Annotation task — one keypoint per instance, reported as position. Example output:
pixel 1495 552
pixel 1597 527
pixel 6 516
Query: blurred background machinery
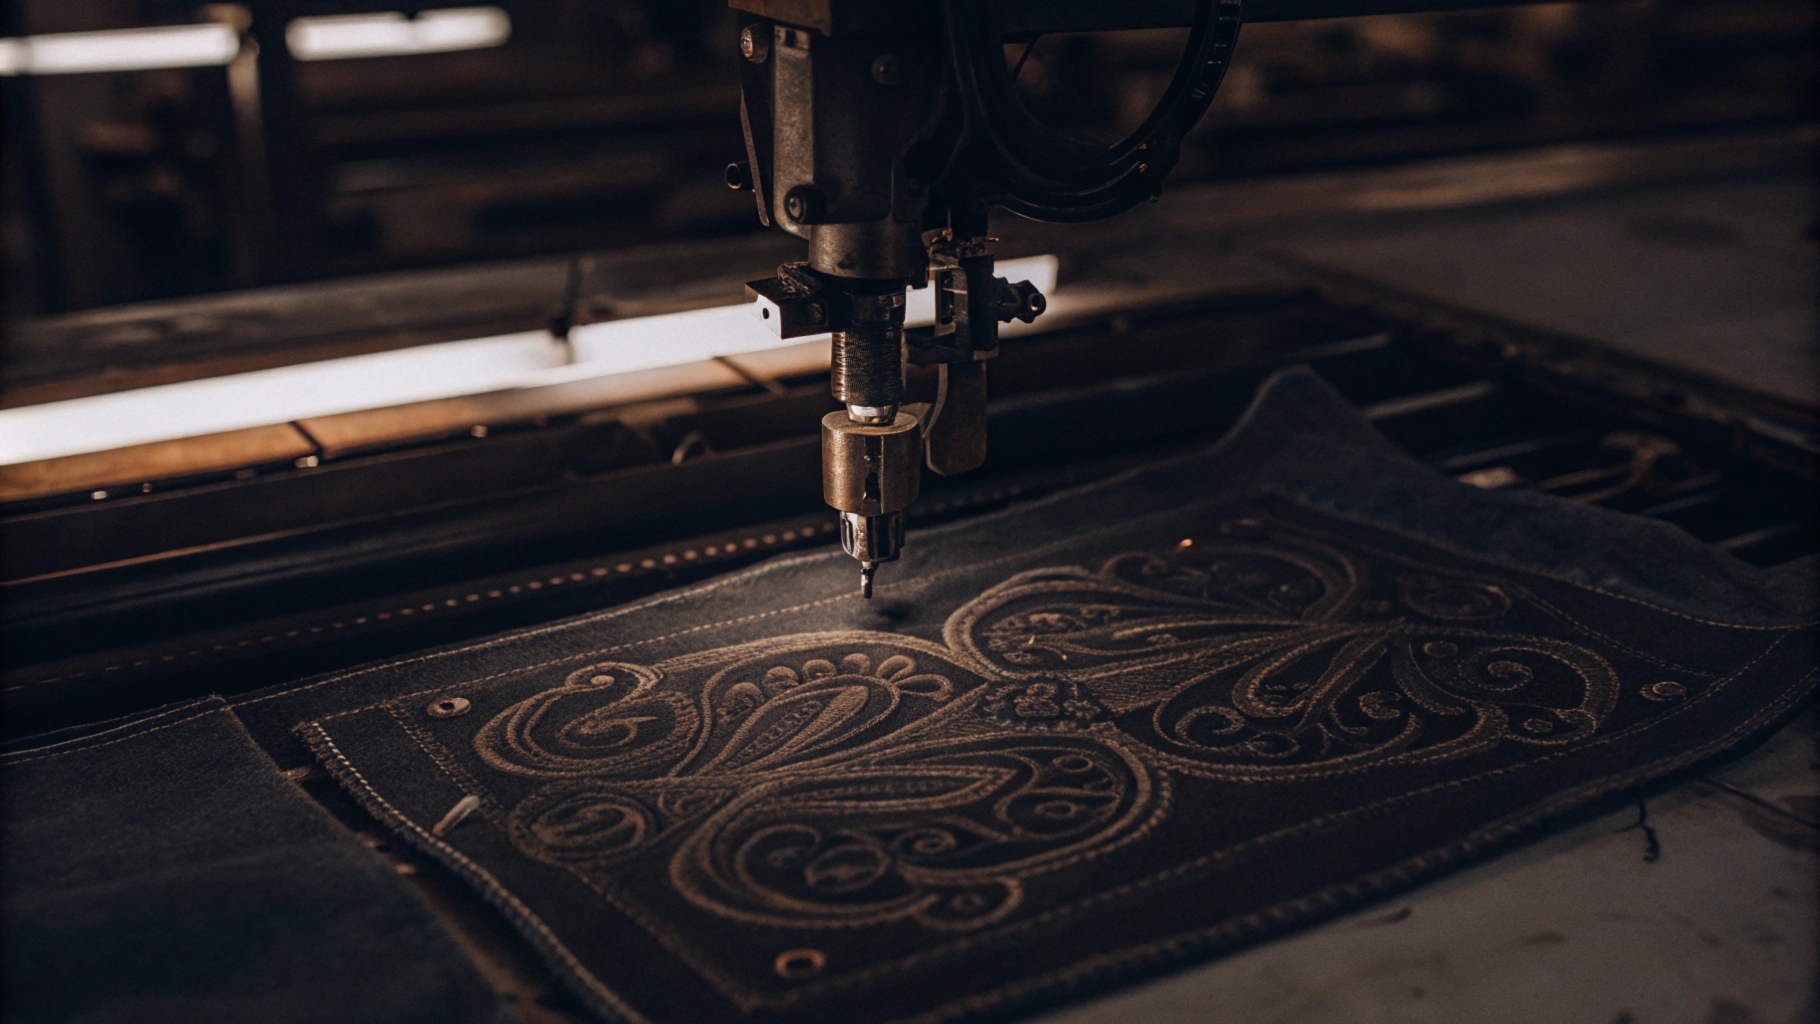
pixel 341 138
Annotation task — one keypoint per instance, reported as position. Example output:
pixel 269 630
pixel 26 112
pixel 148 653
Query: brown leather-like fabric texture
pixel 1070 743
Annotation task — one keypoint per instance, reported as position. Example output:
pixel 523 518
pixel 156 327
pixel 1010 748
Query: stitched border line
pixel 134 730
pixel 384 610
pixel 602 999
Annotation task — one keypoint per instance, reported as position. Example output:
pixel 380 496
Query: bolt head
pixel 804 204
pixel 887 70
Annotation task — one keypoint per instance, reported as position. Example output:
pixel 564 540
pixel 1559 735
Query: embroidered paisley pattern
pixel 1247 661
pixel 833 780
pixel 836 780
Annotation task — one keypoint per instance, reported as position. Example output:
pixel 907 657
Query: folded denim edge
pixel 600 999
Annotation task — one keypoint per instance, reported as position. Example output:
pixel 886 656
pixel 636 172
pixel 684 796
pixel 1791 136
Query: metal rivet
pixel 805 203
pixel 449 707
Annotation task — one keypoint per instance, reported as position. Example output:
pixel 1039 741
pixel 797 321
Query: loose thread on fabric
pixel 457 814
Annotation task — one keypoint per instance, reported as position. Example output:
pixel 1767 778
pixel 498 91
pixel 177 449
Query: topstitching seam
pixel 31 756
pixel 585 656
pixel 370 669
pixel 134 723
pixel 518 907
pixel 602 616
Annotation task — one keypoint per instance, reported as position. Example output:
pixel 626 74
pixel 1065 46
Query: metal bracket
pixel 795 302
pixel 955 439
pixel 970 303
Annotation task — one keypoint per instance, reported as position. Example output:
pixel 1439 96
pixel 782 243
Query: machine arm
pixel 881 132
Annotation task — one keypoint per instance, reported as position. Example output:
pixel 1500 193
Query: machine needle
pixel 866 570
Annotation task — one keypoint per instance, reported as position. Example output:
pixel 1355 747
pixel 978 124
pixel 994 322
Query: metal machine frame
pixel 882 134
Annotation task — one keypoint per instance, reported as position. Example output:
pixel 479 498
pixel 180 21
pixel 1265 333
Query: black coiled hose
pixel 1004 155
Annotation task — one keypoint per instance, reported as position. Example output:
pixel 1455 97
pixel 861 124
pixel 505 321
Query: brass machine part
pixel 867 361
pixel 870 474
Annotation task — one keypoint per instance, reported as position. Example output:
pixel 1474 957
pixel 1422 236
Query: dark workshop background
pixel 607 122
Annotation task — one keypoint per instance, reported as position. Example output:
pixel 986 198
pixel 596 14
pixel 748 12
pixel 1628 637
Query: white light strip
pixel 391 34
pixel 427 372
pixel 131 49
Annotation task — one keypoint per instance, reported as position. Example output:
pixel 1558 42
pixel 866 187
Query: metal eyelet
pixel 799 964
pixel 449 707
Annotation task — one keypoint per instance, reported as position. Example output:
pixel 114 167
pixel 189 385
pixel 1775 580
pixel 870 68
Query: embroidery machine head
pixel 881 132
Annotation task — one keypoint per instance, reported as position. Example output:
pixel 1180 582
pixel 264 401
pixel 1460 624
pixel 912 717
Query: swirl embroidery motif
pixel 1246 661
pixel 845 779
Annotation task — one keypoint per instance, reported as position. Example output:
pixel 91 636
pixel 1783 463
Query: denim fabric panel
pixel 1148 719
pixel 1306 442
pixel 160 869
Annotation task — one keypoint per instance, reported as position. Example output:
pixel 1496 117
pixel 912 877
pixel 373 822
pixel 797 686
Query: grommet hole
pixel 449 707
pixel 799 964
